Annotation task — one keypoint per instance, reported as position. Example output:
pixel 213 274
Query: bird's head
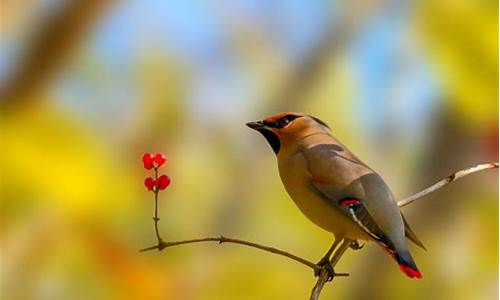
pixel 288 126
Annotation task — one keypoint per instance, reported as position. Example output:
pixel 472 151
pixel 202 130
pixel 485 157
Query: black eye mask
pixel 281 122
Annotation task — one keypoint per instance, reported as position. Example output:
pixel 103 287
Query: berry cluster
pixel 154 162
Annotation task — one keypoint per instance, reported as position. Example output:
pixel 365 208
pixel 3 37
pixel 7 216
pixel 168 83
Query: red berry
pixel 150 183
pixel 147 160
pixel 159 159
pixel 163 182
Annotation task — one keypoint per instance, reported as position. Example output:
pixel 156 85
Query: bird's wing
pixel 347 184
pixel 354 207
pixel 411 235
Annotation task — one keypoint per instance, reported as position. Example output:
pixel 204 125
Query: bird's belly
pixel 323 214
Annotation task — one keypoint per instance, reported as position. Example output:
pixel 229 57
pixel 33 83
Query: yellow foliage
pixel 49 157
pixel 462 37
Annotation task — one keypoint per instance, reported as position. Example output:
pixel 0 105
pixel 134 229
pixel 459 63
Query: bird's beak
pixel 256 125
pixel 267 132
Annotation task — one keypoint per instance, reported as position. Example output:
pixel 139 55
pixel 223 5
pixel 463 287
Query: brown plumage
pixel 334 188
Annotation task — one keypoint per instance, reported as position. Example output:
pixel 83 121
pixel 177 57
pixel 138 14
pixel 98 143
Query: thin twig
pixel 155 218
pixel 445 181
pixel 222 239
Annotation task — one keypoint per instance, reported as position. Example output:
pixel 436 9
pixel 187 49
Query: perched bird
pixel 335 189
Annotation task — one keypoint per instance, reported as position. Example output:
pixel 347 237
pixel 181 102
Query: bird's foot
pixel 355 245
pixel 324 264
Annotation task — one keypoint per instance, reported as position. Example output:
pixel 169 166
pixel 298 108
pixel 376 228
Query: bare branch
pixel 443 182
pixel 222 239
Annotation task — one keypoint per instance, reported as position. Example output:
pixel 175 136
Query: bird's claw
pixel 355 245
pixel 324 264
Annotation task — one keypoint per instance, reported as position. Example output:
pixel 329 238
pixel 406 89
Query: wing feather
pixel 336 174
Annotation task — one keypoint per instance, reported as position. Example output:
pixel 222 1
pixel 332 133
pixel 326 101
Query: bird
pixel 336 190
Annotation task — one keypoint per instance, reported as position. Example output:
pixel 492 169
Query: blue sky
pixel 196 34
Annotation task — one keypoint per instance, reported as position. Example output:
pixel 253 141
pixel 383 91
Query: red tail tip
pixel 410 272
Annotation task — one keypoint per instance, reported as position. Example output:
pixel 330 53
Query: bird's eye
pixel 282 122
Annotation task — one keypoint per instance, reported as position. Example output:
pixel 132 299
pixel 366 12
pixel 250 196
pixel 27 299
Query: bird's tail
pixel 407 264
pixel 405 261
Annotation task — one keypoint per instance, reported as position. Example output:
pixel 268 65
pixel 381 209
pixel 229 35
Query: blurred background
pixel 86 87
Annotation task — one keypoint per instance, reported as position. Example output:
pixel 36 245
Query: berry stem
pixel 155 218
